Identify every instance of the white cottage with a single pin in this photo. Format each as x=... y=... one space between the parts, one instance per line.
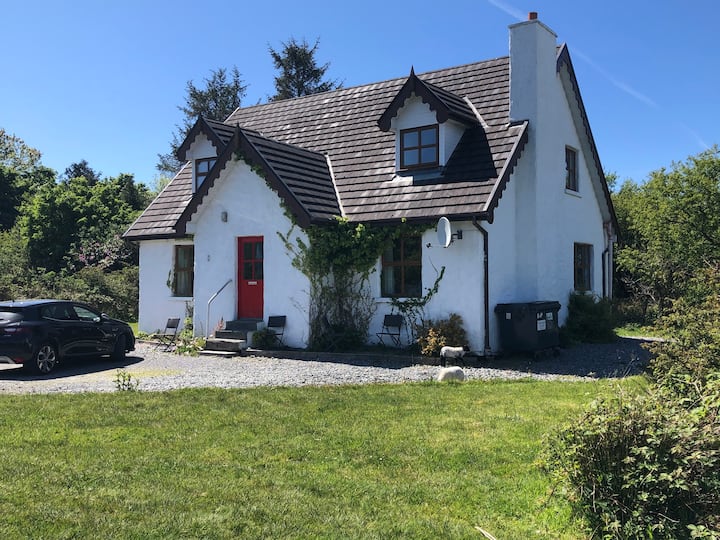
x=501 y=148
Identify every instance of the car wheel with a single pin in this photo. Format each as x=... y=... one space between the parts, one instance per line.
x=44 y=359
x=119 y=350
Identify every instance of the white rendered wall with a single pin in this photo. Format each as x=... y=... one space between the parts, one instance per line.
x=157 y=304
x=460 y=291
x=252 y=210
x=548 y=219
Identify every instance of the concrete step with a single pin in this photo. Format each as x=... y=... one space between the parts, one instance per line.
x=220 y=344
x=224 y=354
x=243 y=325
x=232 y=334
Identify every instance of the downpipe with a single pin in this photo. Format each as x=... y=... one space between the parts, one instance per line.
x=486 y=284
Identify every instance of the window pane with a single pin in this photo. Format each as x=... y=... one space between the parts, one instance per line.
x=428 y=136
x=247 y=270
x=389 y=255
x=259 y=270
x=410 y=157
x=387 y=281
x=247 y=251
x=413 y=281
x=429 y=155
x=413 y=249
x=410 y=138
x=259 y=250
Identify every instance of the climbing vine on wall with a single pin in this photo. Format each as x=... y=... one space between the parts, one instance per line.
x=338 y=259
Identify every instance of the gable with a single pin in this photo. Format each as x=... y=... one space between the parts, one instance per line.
x=587 y=141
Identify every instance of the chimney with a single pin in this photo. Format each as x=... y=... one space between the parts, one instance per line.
x=532 y=66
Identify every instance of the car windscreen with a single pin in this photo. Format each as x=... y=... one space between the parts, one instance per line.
x=7 y=317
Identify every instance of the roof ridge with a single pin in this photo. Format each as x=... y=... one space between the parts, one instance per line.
x=384 y=81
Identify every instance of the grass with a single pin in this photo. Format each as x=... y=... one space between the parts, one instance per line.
x=379 y=461
x=636 y=330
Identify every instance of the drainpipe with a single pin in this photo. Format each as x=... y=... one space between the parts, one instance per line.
x=486 y=284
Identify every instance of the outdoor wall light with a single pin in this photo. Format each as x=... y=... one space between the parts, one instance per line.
x=223 y=216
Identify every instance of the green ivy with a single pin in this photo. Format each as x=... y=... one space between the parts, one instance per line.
x=338 y=259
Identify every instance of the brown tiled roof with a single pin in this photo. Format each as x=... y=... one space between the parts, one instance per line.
x=343 y=125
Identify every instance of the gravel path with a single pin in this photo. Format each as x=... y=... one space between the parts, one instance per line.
x=158 y=371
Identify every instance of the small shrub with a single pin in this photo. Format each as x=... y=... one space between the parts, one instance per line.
x=264 y=339
x=644 y=466
x=433 y=336
x=187 y=343
x=125 y=382
x=590 y=320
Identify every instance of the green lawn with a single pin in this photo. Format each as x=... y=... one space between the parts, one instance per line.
x=381 y=461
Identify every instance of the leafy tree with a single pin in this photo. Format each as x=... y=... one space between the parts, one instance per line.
x=217 y=100
x=670 y=228
x=20 y=174
x=299 y=74
x=10 y=197
x=68 y=219
x=17 y=155
x=82 y=168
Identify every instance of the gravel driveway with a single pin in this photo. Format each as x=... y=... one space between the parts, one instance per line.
x=157 y=371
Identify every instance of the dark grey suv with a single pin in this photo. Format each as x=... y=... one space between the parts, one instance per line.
x=39 y=333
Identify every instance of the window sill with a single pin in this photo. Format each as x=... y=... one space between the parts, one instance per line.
x=573 y=193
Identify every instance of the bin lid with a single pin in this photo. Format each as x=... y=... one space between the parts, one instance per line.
x=536 y=306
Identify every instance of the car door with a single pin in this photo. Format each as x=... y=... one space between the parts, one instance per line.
x=58 y=321
x=92 y=337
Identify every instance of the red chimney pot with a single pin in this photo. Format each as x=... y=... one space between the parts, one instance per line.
x=532 y=16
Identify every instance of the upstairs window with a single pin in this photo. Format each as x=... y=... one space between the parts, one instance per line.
x=419 y=147
x=183 y=271
x=202 y=168
x=571 y=175
x=402 y=269
x=583 y=265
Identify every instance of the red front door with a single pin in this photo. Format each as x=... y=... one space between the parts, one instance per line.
x=250 y=277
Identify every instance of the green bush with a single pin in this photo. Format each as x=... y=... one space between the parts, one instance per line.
x=644 y=466
x=264 y=339
x=590 y=320
x=692 y=354
x=433 y=336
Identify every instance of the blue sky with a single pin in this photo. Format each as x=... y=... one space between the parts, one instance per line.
x=101 y=80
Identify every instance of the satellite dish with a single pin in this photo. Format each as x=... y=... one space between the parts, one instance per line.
x=444 y=232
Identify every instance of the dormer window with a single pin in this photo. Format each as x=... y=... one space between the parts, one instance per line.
x=202 y=168
x=419 y=147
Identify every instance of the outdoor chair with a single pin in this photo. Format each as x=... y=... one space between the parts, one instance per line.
x=276 y=325
x=167 y=338
x=391 y=329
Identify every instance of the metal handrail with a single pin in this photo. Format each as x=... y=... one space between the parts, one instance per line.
x=213 y=297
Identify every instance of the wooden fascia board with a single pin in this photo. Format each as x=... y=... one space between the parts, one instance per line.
x=488 y=212
x=563 y=59
x=200 y=126
x=413 y=84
